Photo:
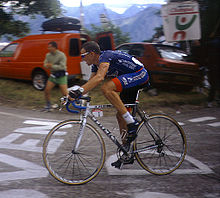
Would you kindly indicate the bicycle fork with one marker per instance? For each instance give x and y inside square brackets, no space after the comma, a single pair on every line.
[81,131]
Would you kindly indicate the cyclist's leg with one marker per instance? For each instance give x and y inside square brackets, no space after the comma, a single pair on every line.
[127,96]
[109,90]
[117,85]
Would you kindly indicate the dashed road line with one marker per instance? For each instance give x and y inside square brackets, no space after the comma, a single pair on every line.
[202,119]
[214,124]
[181,123]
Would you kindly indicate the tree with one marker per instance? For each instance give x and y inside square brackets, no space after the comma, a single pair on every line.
[10,9]
[119,36]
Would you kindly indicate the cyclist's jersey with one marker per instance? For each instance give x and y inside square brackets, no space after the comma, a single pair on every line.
[120,63]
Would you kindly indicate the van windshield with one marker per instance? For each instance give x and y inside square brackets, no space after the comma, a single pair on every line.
[170,52]
[9,50]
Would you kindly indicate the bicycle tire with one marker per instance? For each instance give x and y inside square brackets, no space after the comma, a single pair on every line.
[62,162]
[165,159]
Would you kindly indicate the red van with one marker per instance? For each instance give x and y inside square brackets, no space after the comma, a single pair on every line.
[23,58]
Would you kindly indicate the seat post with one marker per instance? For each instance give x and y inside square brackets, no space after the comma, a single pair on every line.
[134,109]
[137,96]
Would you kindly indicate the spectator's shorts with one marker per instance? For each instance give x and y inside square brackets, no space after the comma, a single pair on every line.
[130,80]
[58,81]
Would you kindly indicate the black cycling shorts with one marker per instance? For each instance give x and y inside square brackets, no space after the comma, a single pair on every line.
[128,96]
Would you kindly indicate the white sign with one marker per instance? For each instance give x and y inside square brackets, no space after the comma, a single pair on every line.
[181,21]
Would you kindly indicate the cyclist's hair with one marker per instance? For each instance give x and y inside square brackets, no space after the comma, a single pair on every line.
[91,46]
[53,44]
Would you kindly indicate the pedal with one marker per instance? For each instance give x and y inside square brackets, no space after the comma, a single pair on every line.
[117,164]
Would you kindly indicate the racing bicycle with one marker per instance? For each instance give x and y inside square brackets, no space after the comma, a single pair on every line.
[74,151]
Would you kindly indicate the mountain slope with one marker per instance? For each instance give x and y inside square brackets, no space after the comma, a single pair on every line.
[141,26]
[138,20]
[92,13]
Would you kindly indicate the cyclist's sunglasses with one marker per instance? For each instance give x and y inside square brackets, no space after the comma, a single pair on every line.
[83,55]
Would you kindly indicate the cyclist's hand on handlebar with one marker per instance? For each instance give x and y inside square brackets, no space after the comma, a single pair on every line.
[75,94]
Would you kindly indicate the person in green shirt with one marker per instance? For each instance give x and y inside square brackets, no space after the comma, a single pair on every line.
[55,61]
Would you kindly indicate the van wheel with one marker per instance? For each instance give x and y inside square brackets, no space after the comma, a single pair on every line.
[39,80]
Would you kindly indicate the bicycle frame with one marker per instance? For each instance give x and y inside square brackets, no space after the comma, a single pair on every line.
[88,113]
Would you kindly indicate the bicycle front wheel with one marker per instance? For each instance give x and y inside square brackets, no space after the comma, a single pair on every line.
[160,147]
[72,166]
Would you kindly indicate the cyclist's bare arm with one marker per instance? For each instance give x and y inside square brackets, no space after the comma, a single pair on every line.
[92,75]
[96,78]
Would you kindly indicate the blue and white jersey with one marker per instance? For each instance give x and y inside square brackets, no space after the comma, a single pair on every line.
[120,63]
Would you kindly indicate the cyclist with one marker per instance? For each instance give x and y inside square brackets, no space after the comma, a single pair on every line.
[128,74]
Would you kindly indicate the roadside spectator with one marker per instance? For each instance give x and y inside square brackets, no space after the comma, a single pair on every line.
[198,56]
[214,70]
[55,61]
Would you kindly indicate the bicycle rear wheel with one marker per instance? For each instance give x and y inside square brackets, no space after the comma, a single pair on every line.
[69,166]
[163,153]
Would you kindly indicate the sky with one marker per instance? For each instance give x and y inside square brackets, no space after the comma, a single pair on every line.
[116,5]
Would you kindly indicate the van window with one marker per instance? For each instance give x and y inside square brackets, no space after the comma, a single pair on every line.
[9,50]
[124,48]
[137,50]
[170,52]
[74,47]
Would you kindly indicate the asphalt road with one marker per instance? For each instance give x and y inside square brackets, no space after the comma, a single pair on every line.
[23,175]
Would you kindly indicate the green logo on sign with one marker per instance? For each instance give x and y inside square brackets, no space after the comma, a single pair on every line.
[185,26]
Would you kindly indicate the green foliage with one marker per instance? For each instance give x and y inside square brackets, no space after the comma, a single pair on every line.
[119,36]
[10,9]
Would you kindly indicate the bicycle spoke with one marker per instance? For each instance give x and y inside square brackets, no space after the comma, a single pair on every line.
[67,166]
[64,162]
[83,164]
[171,145]
[74,167]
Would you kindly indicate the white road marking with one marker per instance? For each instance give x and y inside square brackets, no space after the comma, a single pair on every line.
[201,168]
[154,195]
[10,138]
[202,119]
[215,124]
[181,123]
[28,145]
[29,169]
[43,128]
[22,193]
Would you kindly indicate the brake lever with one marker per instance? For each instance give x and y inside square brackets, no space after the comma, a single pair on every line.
[63,102]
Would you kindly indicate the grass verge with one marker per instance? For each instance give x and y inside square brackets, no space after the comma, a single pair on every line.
[22,94]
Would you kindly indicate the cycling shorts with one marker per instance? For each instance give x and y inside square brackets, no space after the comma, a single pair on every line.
[130,80]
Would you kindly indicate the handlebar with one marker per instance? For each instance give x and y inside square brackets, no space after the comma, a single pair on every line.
[65,101]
